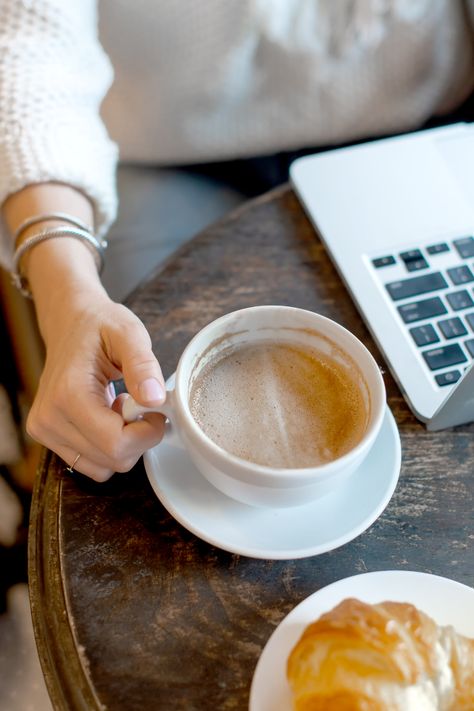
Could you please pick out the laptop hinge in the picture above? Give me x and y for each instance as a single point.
(458, 408)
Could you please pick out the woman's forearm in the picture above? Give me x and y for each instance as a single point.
(46, 197)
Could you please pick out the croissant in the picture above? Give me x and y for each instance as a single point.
(384, 657)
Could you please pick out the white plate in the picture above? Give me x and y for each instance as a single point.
(447, 602)
(283, 533)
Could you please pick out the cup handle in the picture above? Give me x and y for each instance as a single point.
(132, 411)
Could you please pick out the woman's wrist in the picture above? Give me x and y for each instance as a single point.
(61, 272)
(63, 279)
(30, 237)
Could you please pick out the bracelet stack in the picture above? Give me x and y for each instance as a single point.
(78, 230)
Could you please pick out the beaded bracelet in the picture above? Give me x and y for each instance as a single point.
(97, 246)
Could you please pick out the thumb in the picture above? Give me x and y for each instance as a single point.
(141, 370)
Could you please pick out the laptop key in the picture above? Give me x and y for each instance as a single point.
(470, 319)
(418, 310)
(424, 335)
(383, 261)
(444, 356)
(459, 300)
(438, 248)
(470, 346)
(452, 376)
(414, 260)
(414, 286)
(417, 264)
(465, 247)
(411, 255)
(460, 275)
(452, 327)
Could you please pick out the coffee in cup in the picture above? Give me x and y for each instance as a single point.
(282, 404)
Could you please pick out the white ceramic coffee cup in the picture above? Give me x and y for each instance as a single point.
(241, 479)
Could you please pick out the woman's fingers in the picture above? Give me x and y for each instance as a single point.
(74, 411)
(98, 432)
(84, 465)
(96, 462)
(141, 371)
(106, 430)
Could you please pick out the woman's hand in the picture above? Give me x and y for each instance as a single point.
(90, 341)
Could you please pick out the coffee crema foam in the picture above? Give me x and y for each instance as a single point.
(282, 405)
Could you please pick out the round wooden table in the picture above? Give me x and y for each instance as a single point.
(134, 613)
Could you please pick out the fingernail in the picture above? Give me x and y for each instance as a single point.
(151, 391)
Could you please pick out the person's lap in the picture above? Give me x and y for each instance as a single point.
(159, 209)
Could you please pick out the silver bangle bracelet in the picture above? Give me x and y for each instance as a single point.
(98, 248)
(48, 217)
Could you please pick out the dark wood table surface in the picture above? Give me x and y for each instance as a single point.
(131, 611)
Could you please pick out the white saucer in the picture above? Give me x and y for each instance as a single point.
(447, 602)
(283, 533)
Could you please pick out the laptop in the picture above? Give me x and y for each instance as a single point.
(396, 216)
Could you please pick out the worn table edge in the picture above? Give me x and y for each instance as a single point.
(54, 637)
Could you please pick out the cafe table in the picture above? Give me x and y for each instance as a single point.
(134, 612)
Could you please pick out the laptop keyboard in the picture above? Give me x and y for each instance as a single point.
(432, 288)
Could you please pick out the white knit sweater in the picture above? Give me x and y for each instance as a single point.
(199, 80)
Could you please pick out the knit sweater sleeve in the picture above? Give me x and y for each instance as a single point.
(53, 77)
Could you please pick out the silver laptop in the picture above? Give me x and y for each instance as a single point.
(397, 218)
